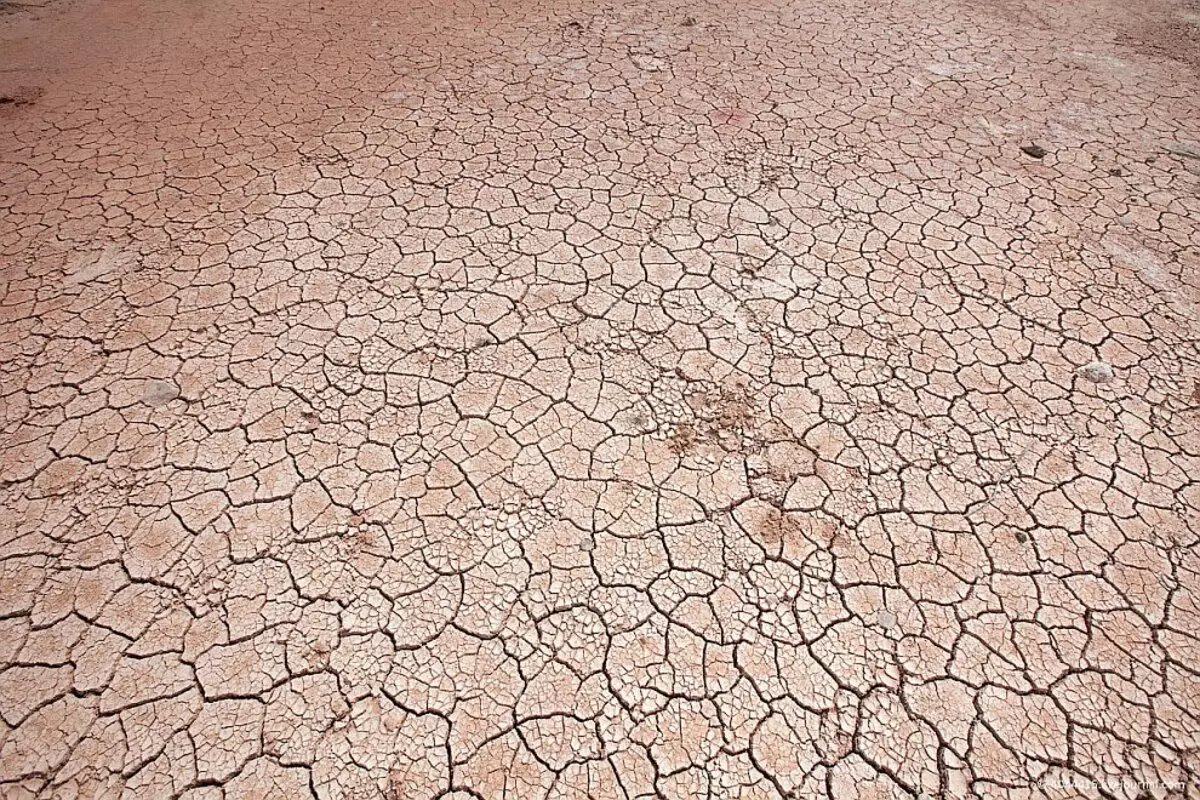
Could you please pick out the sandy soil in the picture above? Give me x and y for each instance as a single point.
(774, 399)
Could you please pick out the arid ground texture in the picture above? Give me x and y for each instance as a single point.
(557, 399)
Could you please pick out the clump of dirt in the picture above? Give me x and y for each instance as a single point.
(317, 654)
(776, 527)
(793, 531)
(776, 466)
(323, 157)
(369, 540)
(721, 417)
(683, 439)
(728, 418)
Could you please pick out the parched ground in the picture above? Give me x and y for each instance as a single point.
(771, 399)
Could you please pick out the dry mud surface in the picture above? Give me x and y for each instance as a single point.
(568, 400)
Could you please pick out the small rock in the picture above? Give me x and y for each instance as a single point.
(1022, 537)
(588, 544)
(159, 393)
(689, 22)
(1097, 372)
(1117, 172)
(1034, 151)
(1185, 149)
(648, 63)
(886, 619)
(950, 69)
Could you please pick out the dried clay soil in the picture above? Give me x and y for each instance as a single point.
(529, 399)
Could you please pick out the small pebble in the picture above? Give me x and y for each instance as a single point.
(886, 619)
(1185, 149)
(1034, 151)
(1097, 372)
(1022, 537)
(159, 393)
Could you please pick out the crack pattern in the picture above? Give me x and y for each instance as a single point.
(650, 400)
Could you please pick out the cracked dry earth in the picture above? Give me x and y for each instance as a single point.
(569, 400)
